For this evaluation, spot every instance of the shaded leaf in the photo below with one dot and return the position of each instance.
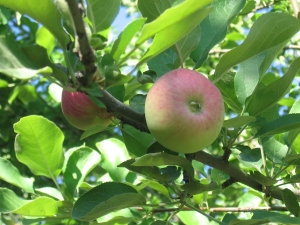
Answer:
(163, 62)
(151, 9)
(164, 159)
(187, 44)
(14, 63)
(214, 27)
(137, 103)
(266, 181)
(38, 145)
(266, 97)
(226, 87)
(106, 198)
(238, 121)
(107, 9)
(275, 150)
(195, 187)
(136, 142)
(290, 200)
(283, 124)
(275, 217)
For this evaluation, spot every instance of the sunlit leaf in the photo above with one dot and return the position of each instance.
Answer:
(78, 163)
(125, 37)
(11, 174)
(38, 145)
(113, 152)
(44, 12)
(41, 206)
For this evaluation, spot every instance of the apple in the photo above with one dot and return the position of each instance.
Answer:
(81, 112)
(184, 111)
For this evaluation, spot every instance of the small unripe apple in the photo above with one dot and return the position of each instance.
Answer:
(81, 112)
(184, 111)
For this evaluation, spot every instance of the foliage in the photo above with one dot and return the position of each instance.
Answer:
(52, 173)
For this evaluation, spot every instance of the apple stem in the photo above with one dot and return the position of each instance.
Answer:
(194, 106)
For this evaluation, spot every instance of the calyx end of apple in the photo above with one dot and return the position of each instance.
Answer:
(194, 106)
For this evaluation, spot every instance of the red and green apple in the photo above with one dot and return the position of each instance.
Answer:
(81, 112)
(184, 111)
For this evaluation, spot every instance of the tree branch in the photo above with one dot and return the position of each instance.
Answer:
(238, 175)
(123, 112)
(221, 209)
(86, 53)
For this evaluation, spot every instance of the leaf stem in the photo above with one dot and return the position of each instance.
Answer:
(179, 55)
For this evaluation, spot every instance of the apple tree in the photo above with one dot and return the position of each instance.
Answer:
(77, 148)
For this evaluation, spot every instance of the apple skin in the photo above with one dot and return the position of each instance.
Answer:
(81, 112)
(184, 111)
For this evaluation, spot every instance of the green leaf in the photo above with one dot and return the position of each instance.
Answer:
(38, 55)
(247, 77)
(106, 198)
(290, 200)
(275, 217)
(248, 222)
(163, 62)
(51, 192)
(238, 121)
(149, 171)
(38, 145)
(171, 29)
(78, 163)
(226, 87)
(113, 152)
(214, 27)
(39, 207)
(93, 130)
(102, 13)
(125, 37)
(275, 150)
(11, 174)
(264, 98)
(196, 187)
(44, 12)
(137, 103)
(250, 158)
(45, 39)
(164, 159)
(151, 9)
(14, 63)
(192, 217)
(266, 181)
(187, 44)
(292, 159)
(269, 30)
(136, 142)
(283, 124)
